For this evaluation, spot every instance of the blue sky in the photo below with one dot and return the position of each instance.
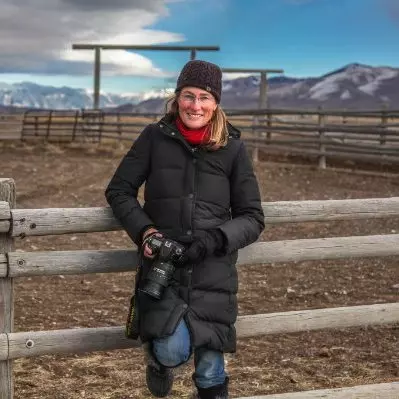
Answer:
(303, 37)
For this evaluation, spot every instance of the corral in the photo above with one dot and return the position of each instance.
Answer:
(69, 176)
(370, 136)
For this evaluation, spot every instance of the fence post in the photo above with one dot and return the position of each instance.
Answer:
(255, 149)
(384, 121)
(322, 147)
(119, 128)
(36, 125)
(262, 105)
(269, 125)
(7, 193)
(23, 126)
(75, 125)
(101, 126)
(50, 116)
(344, 117)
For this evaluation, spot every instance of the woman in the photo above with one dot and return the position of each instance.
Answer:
(200, 191)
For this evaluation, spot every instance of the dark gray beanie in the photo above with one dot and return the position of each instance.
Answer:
(201, 74)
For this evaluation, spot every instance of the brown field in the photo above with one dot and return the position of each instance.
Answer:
(52, 176)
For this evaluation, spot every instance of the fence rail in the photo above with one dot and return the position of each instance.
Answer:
(376, 391)
(78, 340)
(370, 136)
(24, 222)
(25, 264)
(33, 222)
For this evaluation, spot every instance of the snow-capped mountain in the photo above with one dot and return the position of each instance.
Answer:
(357, 83)
(353, 86)
(31, 95)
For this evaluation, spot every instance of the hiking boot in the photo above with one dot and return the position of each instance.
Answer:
(216, 392)
(158, 377)
(159, 380)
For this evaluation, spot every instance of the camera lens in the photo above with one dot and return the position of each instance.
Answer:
(153, 289)
(158, 278)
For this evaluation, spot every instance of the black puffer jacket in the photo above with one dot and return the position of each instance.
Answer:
(189, 190)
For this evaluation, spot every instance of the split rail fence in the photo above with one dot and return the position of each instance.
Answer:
(26, 222)
(369, 136)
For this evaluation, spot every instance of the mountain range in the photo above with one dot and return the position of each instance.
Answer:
(354, 86)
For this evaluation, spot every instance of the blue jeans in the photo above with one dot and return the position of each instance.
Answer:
(176, 349)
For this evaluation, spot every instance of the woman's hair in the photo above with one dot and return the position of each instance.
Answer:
(218, 133)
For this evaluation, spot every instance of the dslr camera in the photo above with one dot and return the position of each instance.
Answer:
(166, 253)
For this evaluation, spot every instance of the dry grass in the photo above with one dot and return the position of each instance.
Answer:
(53, 176)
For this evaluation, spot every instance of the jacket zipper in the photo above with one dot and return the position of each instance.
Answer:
(190, 269)
(192, 150)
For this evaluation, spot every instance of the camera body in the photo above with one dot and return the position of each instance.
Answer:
(166, 253)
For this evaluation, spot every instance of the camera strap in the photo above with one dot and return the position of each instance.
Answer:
(132, 327)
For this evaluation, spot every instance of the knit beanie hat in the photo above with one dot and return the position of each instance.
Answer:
(201, 74)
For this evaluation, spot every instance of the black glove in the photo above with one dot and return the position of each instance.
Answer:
(209, 244)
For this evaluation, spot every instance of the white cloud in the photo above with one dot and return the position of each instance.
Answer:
(235, 75)
(37, 37)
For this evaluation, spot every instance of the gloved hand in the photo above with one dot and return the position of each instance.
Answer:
(146, 235)
(201, 247)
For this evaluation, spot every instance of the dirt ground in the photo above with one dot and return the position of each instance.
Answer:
(47, 176)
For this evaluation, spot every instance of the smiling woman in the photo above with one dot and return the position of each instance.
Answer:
(196, 107)
(201, 197)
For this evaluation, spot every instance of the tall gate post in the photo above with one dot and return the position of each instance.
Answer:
(7, 193)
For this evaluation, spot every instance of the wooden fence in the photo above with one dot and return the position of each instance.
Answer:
(10, 126)
(29, 222)
(369, 136)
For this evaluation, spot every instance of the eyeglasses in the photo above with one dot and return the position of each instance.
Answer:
(203, 100)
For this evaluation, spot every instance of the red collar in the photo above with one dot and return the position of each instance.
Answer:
(193, 136)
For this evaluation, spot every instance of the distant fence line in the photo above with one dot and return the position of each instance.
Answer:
(38, 222)
(370, 136)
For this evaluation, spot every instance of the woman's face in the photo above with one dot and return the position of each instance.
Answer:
(196, 107)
